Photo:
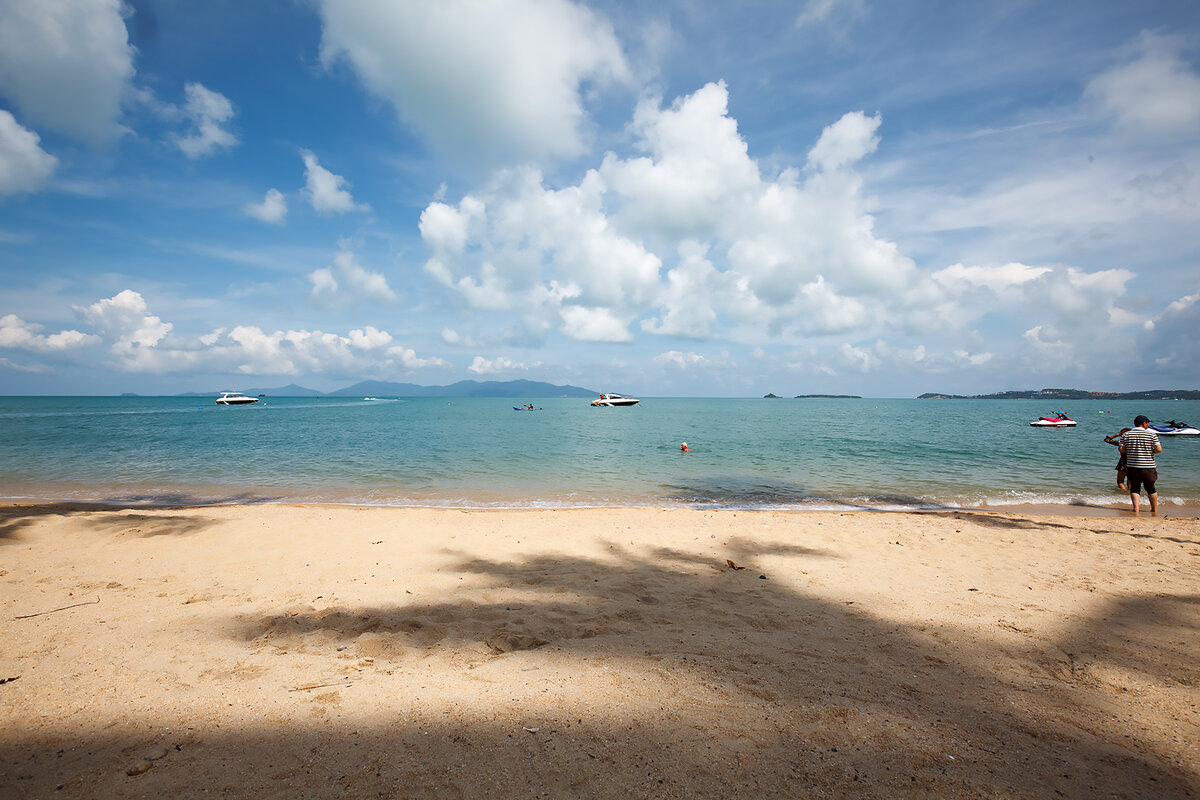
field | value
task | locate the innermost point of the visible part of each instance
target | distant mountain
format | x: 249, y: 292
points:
x: 390, y: 389
x: 291, y: 390
x: 376, y: 388
x: 1071, y: 394
x: 817, y: 396
x: 521, y: 388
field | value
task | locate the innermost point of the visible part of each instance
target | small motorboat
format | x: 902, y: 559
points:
x: 611, y: 400
x: 1174, y: 428
x: 525, y: 408
x: 235, y: 399
x: 1059, y: 420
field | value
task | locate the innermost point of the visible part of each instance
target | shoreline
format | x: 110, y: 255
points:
x: 328, y: 651
x: 175, y: 501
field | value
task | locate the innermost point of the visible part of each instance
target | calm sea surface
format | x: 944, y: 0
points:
x: 755, y: 453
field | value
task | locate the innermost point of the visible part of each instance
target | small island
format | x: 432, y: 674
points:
x: 816, y: 396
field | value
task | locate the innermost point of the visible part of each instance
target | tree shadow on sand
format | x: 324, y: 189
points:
x: 808, y: 692
x: 769, y: 691
x: 14, y: 519
x: 1000, y: 521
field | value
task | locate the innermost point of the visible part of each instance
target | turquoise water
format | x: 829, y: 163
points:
x: 478, y: 452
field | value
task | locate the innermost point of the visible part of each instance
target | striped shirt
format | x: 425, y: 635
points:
x: 1139, y: 447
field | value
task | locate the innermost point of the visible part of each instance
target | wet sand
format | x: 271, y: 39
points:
x: 337, y: 651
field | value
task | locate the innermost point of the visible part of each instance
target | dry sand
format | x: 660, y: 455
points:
x: 311, y: 651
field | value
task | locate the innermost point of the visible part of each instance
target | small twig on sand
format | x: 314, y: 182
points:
x: 319, y: 686
x: 64, y: 608
x: 9, y: 680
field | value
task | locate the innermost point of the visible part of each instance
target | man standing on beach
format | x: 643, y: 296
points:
x: 1139, y: 444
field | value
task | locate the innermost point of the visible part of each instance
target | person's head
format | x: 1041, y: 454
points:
x: 1140, y: 421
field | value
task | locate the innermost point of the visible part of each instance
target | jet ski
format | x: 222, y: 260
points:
x: 1174, y: 428
x: 1059, y: 420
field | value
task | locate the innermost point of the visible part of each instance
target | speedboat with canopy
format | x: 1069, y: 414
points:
x: 611, y: 400
x: 235, y: 399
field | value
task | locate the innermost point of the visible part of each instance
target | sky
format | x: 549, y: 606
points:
x: 683, y: 198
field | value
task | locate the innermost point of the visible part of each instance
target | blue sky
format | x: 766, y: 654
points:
x: 681, y: 198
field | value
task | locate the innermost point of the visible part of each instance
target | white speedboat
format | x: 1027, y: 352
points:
x: 611, y: 400
x: 235, y: 399
x: 1059, y: 420
x: 1174, y: 428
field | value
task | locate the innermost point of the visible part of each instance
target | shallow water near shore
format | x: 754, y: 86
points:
x: 479, y: 452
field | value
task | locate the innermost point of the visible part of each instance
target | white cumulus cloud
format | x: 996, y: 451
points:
x: 846, y: 141
x: 594, y: 325
x: 125, y: 318
x: 141, y: 341
x: 479, y: 79
x: 1154, y: 93
x: 130, y: 330
x: 493, y: 366
x: 367, y: 350
x: 207, y: 111
x: 272, y: 210
x: 407, y: 358
x: 24, y: 165
x: 678, y: 359
x: 65, y: 64
x: 785, y: 254
x: 18, y: 334
x: 325, y: 190
x: 369, y: 338
x: 998, y: 279
x: 348, y: 276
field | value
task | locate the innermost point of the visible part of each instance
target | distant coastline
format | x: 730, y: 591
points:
x: 1071, y: 394
x: 517, y: 388
x: 774, y: 396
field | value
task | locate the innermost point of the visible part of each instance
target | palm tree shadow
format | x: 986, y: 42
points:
x: 1150, y: 637
x: 820, y: 672
x: 993, y: 519
x: 16, y: 518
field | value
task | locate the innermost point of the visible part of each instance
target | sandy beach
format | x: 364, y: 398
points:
x: 337, y: 651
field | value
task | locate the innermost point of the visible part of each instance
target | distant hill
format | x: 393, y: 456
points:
x: 1071, y: 394
x: 520, y: 388
x: 772, y: 395
x: 291, y: 390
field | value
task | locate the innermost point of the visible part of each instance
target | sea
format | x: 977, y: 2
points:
x: 761, y: 453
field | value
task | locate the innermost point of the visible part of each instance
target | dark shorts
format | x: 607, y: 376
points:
x: 1138, y: 477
